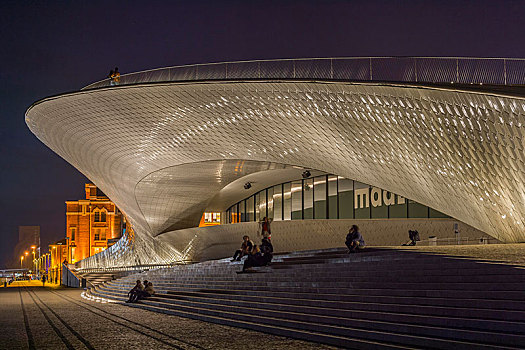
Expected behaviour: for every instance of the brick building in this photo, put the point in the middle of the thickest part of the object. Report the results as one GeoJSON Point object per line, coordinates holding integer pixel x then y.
{"type": "Point", "coordinates": [90, 223]}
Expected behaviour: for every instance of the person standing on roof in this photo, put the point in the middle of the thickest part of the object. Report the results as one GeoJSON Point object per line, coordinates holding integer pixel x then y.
{"type": "Point", "coordinates": [116, 76]}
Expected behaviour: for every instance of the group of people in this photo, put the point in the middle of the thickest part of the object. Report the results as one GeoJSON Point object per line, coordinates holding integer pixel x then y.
{"type": "Point", "coordinates": [261, 255]}
{"type": "Point", "coordinates": [256, 255]}
{"type": "Point", "coordinates": [114, 77]}
{"type": "Point", "coordinates": [140, 291]}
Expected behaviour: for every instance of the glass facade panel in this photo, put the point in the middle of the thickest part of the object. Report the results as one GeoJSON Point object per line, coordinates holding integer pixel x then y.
{"type": "Point", "coordinates": [416, 210]}
{"type": "Point", "coordinates": [320, 197]}
{"type": "Point", "coordinates": [432, 213]}
{"type": "Point", "coordinates": [308, 198]}
{"type": "Point", "coordinates": [262, 204]}
{"type": "Point", "coordinates": [361, 200]}
{"type": "Point", "coordinates": [287, 193]}
{"type": "Point", "coordinates": [378, 208]}
{"type": "Point", "coordinates": [250, 213]}
{"type": "Point", "coordinates": [326, 196]}
{"type": "Point", "coordinates": [346, 198]}
{"type": "Point", "coordinates": [297, 200]}
{"type": "Point", "coordinates": [332, 197]}
{"type": "Point", "coordinates": [258, 217]}
{"type": "Point", "coordinates": [277, 202]}
{"type": "Point", "coordinates": [399, 209]}
{"type": "Point", "coordinates": [242, 210]}
{"type": "Point", "coordinates": [270, 202]}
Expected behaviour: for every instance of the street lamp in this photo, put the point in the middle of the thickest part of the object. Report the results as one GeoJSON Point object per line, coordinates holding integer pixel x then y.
{"type": "Point", "coordinates": [21, 262]}
{"type": "Point", "coordinates": [33, 247]}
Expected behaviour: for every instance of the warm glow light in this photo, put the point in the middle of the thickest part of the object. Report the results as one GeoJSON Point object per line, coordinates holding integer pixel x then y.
{"type": "Point", "coordinates": [33, 247]}
{"type": "Point", "coordinates": [26, 253]}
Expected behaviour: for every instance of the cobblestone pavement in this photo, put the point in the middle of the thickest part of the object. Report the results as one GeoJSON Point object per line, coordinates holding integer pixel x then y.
{"type": "Point", "coordinates": [505, 253]}
{"type": "Point", "coordinates": [34, 317]}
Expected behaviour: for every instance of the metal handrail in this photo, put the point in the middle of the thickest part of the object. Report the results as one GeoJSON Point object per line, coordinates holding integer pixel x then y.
{"type": "Point", "coordinates": [452, 70]}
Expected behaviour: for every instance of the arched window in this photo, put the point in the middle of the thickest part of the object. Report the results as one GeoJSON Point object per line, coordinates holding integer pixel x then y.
{"type": "Point", "coordinates": [102, 216]}
{"type": "Point", "coordinates": [97, 216]}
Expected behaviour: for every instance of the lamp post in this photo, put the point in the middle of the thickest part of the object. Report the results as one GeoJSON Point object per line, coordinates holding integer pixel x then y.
{"type": "Point", "coordinates": [21, 262]}
{"type": "Point", "coordinates": [33, 247]}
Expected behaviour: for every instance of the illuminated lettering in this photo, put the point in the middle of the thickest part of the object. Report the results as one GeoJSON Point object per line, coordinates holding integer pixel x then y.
{"type": "Point", "coordinates": [389, 198]}
{"type": "Point", "coordinates": [375, 197]}
{"type": "Point", "coordinates": [361, 198]}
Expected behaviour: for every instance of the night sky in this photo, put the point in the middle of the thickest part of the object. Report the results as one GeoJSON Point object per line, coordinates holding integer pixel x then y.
{"type": "Point", "coordinates": [51, 47]}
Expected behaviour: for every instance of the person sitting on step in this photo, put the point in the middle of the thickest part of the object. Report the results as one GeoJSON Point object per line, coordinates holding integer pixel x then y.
{"type": "Point", "coordinates": [135, 291]}
{"type": "Point", "coordinates": [354, 240]}
{"type": "Point", "coordinates": [413, 237]}
{"type": "Point", "coordinates": [267, 251]}
{"type": "Point", "coordinates": [259, 257]}
{"type": "Point", "coordinates": [246, 248]}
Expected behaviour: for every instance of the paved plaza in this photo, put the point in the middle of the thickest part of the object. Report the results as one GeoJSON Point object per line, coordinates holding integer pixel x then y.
{"type": "Point", "coordinates": [33, 317]}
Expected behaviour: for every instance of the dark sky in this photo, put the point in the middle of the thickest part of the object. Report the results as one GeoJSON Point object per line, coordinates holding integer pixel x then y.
{"type": "Point", "coordinates": [50, 47]}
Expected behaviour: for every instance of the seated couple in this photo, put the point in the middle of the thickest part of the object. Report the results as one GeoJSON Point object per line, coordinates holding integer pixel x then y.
{"type": "Point", "coordinates": [140, 291]}
{"type": "Point", "coordinates": [259, 256]}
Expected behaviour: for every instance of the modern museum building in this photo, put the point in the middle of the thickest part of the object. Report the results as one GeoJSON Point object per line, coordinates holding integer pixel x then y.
{"type": "Point", "coordinates": [316, 145]}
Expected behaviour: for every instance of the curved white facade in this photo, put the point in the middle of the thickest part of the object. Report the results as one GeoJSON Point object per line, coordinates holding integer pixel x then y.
{"type": "Point", "coordinates": [162, 152]}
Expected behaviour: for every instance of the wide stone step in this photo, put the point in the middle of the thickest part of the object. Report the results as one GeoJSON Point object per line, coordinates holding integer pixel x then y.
{"type": "Point", "coordinates": [497, 291]}
{"type": "Point", "coordinates": [350, 276]}
{"type": "Point", "coordinates": [401, 335]}
{"type": "Point", "coordinates": [421, 325]}
{"type": "Point", "coordinates": [339, 308]}
{"type": "Point", "coordinates": [267, 279]}
{"type": "Point", "coordinates": [299, 298]}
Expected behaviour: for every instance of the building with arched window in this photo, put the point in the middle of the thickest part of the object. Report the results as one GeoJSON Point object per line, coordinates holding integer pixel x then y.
{"type": "Point", "coordinates": [93, 224]}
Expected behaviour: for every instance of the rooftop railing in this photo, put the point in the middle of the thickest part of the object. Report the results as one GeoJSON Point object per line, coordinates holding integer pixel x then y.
{"type": "Point", "coordinates": [459, 70]}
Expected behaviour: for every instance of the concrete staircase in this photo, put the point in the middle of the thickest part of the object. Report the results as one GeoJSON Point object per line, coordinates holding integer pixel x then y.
{"type": "Point", "coordinates": [378, 298]}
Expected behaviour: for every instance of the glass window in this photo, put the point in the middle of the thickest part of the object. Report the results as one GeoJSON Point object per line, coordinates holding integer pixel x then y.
{"type": "Point", "coordinates": [97, 234]}
{"type": "Point", "coordinates": [73, 233]}
{"type": "Point", "coordinates": [242, 210]}
{"type": "Point", "coordinates": [379, 209]}
{"type": "Point", "coordinates": [308, 198]}
{"type": "Point", "coordinates": [258, 215]}
{"type": "Point", "coordinates": [262, 204]}
{"type": "Point", "coordinates": [287, 193]}
{"type": "Point", "coordinates": [269, 204]}
{"type": "Point", "coordinates": [361, 200]}
{"type": "Point", "coordinates": [103, 216]}
{"type": "Point", "coordinates": [297, 200]}
{"type": "Point", "coordinates": [103, 234]}
{"type": "Point", "coordinates": [277, 202]}
{"type": "Point", "coordinates": [432, 213]}
{"type": "Point", "coordinates": [346, 198]}
{"type": "Point", "coordinates": [237, 214]}
{"type": "Point", "coordinates": [332, 197]}
{"type": "Point", "coordinates": [399, 209]}
{"type": "Point", "coordinates": [249, 209]}
{"type": "Point", "coordinates": [320, 197]}
{"type": "Point", "coordinates": [229, 216]}
{"type": "Point", "coordinates": [416, 210]}
{"type": "Point", "coordinates": [97, 216]}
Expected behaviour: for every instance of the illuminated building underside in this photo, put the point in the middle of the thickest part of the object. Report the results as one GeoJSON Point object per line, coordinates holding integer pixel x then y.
{"type": "Point", "coordinates": [163, 152]}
